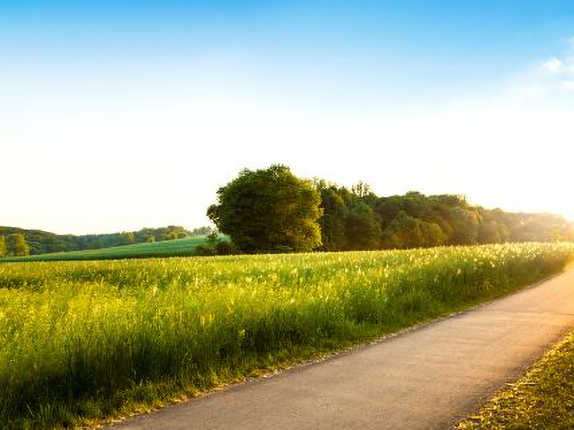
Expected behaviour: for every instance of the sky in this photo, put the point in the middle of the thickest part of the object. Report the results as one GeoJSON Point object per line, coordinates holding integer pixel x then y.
{"type": "Point", "coordinates": [118, 115]}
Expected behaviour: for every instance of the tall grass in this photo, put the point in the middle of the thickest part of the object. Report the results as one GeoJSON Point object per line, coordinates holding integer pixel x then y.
{"type": "Point", "coordinates": [84, 340]}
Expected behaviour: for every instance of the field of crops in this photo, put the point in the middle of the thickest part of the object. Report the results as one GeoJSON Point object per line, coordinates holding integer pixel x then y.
{"type": "Point", "coordinates": [168, 248]}
{"type": "Point", "coordinates": [84, 340]}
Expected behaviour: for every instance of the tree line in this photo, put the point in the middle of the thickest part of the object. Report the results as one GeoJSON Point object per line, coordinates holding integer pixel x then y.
{"type": "Point", "coordinates": [271, 210]}
{"type": "Point", "coordinates": [20, 242]}
{"type": "Point", "coordinates": [359, 219]}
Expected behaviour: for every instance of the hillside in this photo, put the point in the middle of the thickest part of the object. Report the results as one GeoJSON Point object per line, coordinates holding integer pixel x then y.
{"type": "Point", "coordinates": [170, 248]}
{"type": "Point", "coordinates": [43, 242]}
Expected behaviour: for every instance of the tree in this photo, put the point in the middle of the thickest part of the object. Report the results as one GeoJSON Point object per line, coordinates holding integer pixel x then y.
{"type": "Point", "coordinates": [362, 229]}
{"type": "Point", "coordinates": [465, 224]}
{"type": "Point", "coordinates": [202, 231]}
{"type": "Point", "coordinates": [3, 249]}
{"type": "Point", "coordinates": [170, 235]}
{"type": "Point", "coordinates": [431, 234]}
{"type": "Point", "coordinates": [215, 245]}
{"type": "Point", "coordinates": [333, 220]}
{"type": "Point", "coordinates": [403, 232]}
{"type": "Point", "coordinates": [269, 210]}
{"type": "Point", "coordinates": [361, 189]}
{"type": "Point", "coordinates": [17, 245]}
{"type": "Point", "coordinates": [127, 238]}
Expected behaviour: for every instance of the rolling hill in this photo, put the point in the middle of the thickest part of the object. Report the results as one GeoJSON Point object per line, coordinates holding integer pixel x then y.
{"type": "Point", "coordinates": [169, 248]}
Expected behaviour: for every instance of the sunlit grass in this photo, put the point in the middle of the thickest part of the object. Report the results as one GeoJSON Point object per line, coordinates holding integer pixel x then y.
{"type": "Point", "coordinates": [85, 340]}
{"type": "Point", "coordinates": [541, 399]}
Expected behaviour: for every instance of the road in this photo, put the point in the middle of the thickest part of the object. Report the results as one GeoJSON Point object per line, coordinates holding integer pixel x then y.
{"type": "Point", "coordinates": [424, 379]}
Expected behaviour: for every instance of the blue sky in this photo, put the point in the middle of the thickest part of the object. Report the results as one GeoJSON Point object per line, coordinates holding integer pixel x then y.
{"type": "Point", "coordinates": [112, 104]}
{"type": "Point", "coordinates": [391, 47]}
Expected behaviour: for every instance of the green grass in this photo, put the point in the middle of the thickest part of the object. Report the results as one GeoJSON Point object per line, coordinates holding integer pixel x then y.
{"type": "Point", "coordinates": [168, 248]}
{"type": "Point", "coordinates": [543, 399]}
{"type": "Point", "coordinates": [84, 340]}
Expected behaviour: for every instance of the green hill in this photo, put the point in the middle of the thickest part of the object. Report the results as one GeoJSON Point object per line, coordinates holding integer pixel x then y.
{"type": "Point", "coordinates": [43, 242]}
{"type": "Point", "coordinates": [168, 248]}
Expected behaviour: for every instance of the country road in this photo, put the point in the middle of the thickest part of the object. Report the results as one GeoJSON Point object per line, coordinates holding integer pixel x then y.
{"type": "Point", "coordinates": [427, 378]}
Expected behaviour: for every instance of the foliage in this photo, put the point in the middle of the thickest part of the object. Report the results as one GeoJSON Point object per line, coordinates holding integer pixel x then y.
{"type": "Point", "coordinates": [269, 210]}
{"type": "Point", "coordinates": [358, 219]}
{"type": "Point", "coordinates": [85, 340]}
{"type": "Point", "coordinates": [215, 245]}
{"type": "Point", "coordinates": [406, 232]}
{"type": "Point", "coordinates": [202, 231]}
{"type": "Point", "coordinates": [542, 399]}
{"type": "Point", "coordinates": [362, 227]}
{"type": "Point", "coordinates": [3, 247]}
{"type": "Point", "coordinates": [17, 245]}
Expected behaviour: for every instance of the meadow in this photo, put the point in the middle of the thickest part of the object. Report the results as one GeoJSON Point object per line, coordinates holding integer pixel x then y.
{"type": "Point", "coordinates": [81, 341]}
{"type": "Point", "coordinates": [167, 248]}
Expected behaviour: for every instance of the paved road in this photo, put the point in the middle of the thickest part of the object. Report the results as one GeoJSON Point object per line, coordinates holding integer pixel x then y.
{"type": "Point", "coordinates": [424, 379]}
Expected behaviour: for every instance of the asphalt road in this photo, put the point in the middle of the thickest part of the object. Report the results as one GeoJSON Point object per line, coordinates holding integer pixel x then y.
{"type": "Point", "coordinates": [424, 379]}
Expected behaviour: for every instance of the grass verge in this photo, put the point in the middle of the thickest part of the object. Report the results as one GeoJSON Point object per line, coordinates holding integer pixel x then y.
{"type": "Point", "coordinates": [543, 399]}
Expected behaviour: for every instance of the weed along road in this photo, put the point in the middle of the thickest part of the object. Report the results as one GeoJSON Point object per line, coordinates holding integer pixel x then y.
{"type": "Point", "coordinates": [424, 379]}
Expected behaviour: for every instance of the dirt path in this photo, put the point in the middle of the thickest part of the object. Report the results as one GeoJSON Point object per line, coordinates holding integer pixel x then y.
{"type": "Point", "coordinates": [424, 379]}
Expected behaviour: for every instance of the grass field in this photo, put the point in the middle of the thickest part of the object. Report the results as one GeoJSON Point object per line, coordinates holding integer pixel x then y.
{"type": "Point", "coordinates": [169, 248]}
{"type": "Point", "coordinates": [542, 399]}
{"type": "Point", "coordinates": [81, 341]}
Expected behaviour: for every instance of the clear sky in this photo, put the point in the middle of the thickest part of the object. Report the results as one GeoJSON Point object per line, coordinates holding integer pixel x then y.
{"type": "Point", "coordinates": [115, 115]}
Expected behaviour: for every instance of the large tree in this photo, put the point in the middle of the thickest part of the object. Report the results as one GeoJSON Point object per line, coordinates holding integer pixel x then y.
{"type": "Point", "coordinates": [269, 210]}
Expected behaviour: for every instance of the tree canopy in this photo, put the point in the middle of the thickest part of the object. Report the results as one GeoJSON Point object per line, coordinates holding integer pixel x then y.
{"type": "Point", "coordinates": [262, 212]}
{"type": "Point", "coordinates": [269, 210]}
{"type": "Point", "coordinates": [359, 219]}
